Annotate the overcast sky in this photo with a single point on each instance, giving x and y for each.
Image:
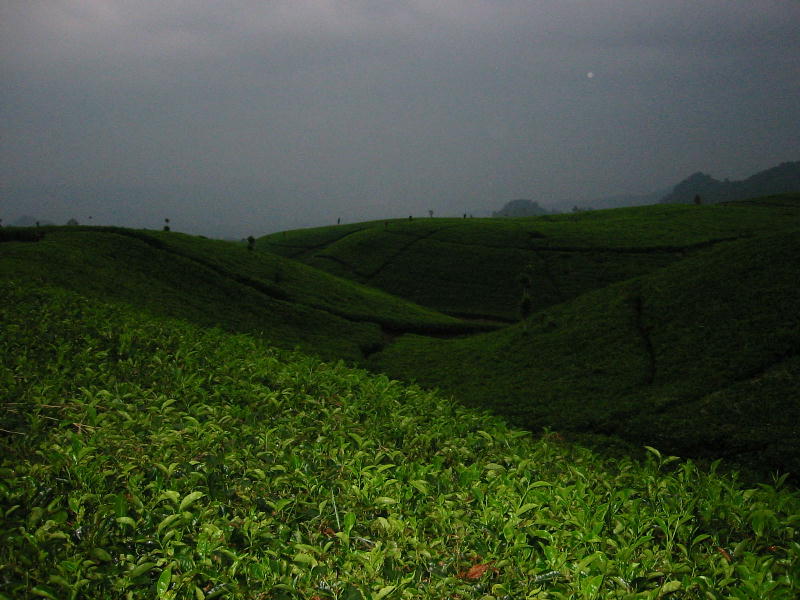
(249, 116)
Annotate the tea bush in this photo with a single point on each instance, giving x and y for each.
(150, 458)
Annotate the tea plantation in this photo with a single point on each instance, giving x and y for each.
(145, 457)
(185, 418)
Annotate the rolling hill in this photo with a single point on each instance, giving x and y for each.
(472, 267)
(671, 325)
(701, 358)
(156, 441)
(216, 283)
(667, 325)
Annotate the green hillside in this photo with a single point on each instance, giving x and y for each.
(700, 358)
(472, 267)
(216, 283)
(145, 457)
(672, 326)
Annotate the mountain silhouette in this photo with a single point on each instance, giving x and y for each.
(777, 180)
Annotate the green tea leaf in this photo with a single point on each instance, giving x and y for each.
(59, 580)
(383, 592)
(259, 474)
(43, 592)
(141, 569)
(421, 485)
(101, 555)
(653, 451)
(303, 558)
(485, 435)
(349, 521)
(120, 505)
(162, 585)
(189, 499)
(166, 521)
(538, 484)
(171, 495)
(525, 508)
(669, 587)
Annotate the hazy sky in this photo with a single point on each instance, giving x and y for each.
(248, 116)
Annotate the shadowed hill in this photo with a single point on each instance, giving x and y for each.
(472, 267)
(785, 178)
(700, 358)
(673, 326)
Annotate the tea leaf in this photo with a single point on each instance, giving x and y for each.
(126, 521)
(189, 499)
(164, 580)
(383, 592)
(140, 570)
(385, 500)
(525, 508)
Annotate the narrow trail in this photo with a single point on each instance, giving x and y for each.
(413, 241)
(303, 251)
(368, 276)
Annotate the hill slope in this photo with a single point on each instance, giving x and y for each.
(472, 267)
(699, 358)
(642, 316)
(219, 283)
(149, 458)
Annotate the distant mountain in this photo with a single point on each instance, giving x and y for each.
(29, 221)
(520, 208)
(777, 180)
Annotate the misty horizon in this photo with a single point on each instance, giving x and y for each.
(253, 117)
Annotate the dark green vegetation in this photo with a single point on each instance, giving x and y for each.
(472, 267)
(699, 358)
(669, 325)
(155, 442)
(218, 283)
(673, 326)
(145, 457)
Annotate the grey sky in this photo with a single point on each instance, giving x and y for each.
(249, 116)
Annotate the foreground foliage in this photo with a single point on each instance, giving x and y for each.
(146, 458)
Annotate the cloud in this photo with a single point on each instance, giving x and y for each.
(370, 107)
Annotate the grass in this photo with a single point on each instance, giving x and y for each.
(146, 457)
